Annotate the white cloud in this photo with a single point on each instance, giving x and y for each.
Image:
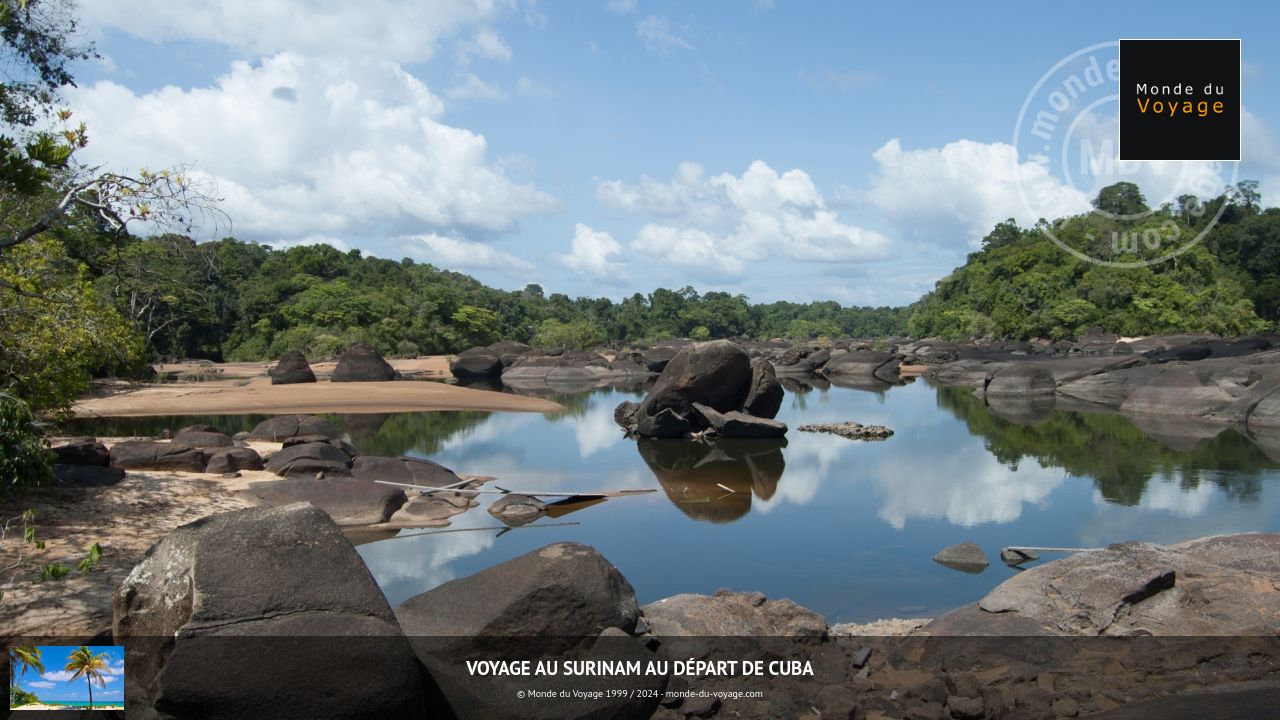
(401, 30)
(593, 253)
(656, 32)
(621, 6)
(455, 253)
(485, 44)
(473, 88)
(41, 684)
(721, 223)
(360, 149)
(58, 676)
(960, 191)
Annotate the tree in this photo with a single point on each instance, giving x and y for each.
(23, 658)
(82, 662)
(1122, 199)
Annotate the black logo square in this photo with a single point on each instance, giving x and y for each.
(1179, 99)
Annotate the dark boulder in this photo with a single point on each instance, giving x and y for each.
(716, 374)
(737, 425)
(1020, 380)
(81, 476)
(965, 557)
(361, 363)
(291, 369)
(347, 501)
(656, 358)
(508, 351)
(625, 415)
(764, 399)
(1184, 353)
(410, 471)
(478, 362)
(309, 458)
(666, 425)
(863, 362)
(82, 451)
(231, 460)
(152, 455)
(339, 443)
(279, 585)
(199, 436)
(283, 427)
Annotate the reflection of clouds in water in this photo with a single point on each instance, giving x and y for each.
(596, 430)
(810, 458)
(905, 408)
(1161, 517)
(967, 487)
(494, 427)
(1170, 496)
(404, 568)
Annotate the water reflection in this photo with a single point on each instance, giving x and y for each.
(715, 482)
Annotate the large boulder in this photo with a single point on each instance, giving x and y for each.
(1181, 390)
(716, 374)
(508, 351)
(561, 602)
(476, 363)
(346, 500)
(283, 427)
(411, 471)
(82, 451)
(361, 363)
(1110, 388)
(764, 398)
(732, 614)
(876, 363)
(1021, 380)
(82, 476)
(239, 615)
(307, 459)
(292, 368)
(737, 425)
(202, 436)
(229, 460)
(153, 455)
(656, 358)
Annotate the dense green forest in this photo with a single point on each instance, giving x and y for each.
(1020, 285)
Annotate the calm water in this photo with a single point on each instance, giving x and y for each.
(844, 527)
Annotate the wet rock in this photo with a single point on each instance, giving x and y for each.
(283, 427)
(361, 363)
(1021, 379)
(731, 614)
(152, 455)
(82, 476)
(82, 451)
(517, 509)
(230, 460)
(850, 430)
(764, 399)
(345, 500)
(241, 583)
(291, 369)
(965, 557)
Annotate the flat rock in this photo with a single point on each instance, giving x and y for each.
(202, 438)
(732, 614)
(411, 471)
(230, 460)
(283, 427)
(81, 476)
(967, 556)
(345, 500)
(1021, 379)
(309, 458)
(152, 455)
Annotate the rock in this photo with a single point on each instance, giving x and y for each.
(737, 425)
(1096, 335)
(152, 455)
(764, 398)
(1065, 707)
(864, 362)
(309, 458)
(1110, 388)
(1184, 353)
(283, 427)
(1018, 556)
(411, 471)
(280, 585)
(199, 437)
(563, 601)
(625, 415)
(478, 362)
(1182, 391)
(347, 501)
(1217, 586)
(361, 363)
(966, 557)
(656, 358)
(717, 374)
(230, 460)
(517, 509)
(80, 476)
(851, 430)
(730, 614)
(699, 706)
(82, 451)
(291, 369)
(1021, 379)
(1225, 702)
(665, 425)
(966, 708)
(508, 351)
(339, 443)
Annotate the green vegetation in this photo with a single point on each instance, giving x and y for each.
(23, 458)
(1021, 286)
(84, 663)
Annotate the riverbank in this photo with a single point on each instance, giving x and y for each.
(244, 388)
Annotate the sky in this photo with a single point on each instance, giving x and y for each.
(52, 686)
(784, 150)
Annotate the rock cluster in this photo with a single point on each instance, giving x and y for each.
(850, 430)
(712, 388)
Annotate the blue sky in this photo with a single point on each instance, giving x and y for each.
(53, 685)
(606, 147)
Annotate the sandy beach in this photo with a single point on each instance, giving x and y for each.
(64, 708)
(244, 388)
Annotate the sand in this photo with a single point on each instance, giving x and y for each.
(245, 389)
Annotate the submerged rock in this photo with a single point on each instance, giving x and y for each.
(850, 430)
(517, 509)
(965, 557)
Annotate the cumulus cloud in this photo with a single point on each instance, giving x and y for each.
(960, 191)
(401, 30)
(357, 148)
(721, 223)
(41, 684)
(592, 253)
(656, 32)
(456, 253)
(485, 44)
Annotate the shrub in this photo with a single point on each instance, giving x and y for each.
(23, 459)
